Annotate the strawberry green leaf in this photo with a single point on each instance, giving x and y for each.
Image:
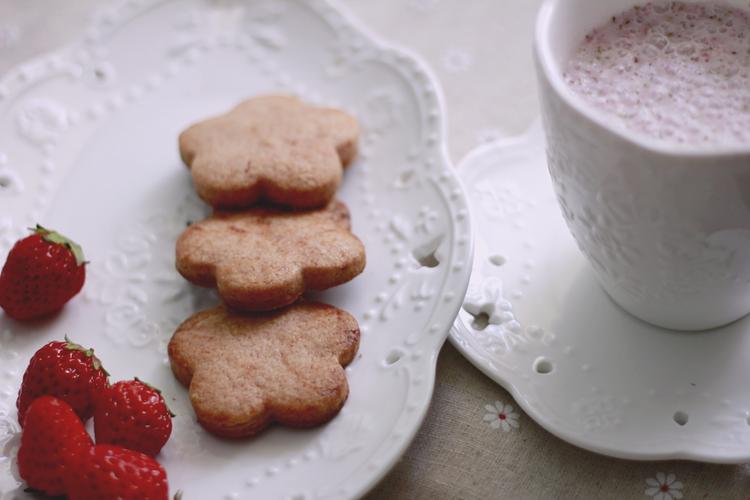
(58, 239)
(96, 362)
(72, 346)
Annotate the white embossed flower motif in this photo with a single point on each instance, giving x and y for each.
(501, 416)
(383, 108)
(224, 21)
(605, 238)
(503, 200)
(664, 487)
(41, 120)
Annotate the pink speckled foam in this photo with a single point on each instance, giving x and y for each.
(675, 71)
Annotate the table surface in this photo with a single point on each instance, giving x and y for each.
(481, 52)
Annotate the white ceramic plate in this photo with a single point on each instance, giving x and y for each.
(88, 147)
(579, 365)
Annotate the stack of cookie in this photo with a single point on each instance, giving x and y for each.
(270, 168)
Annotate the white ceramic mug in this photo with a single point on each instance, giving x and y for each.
(666, 228)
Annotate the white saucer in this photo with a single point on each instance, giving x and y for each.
(576, 363)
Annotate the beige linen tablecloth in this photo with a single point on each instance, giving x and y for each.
(480, 50)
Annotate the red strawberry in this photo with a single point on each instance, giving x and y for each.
(132, 414)
(64, 370)
(43, 271)
(53, 439)
(113, 472)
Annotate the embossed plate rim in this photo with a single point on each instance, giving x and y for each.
(449, 192)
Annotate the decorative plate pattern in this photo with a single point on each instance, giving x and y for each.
(89, 147)
(536, 321)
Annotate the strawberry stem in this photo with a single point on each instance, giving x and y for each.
(58, 239)
(96, 362)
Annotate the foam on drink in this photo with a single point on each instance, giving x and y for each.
(676, 71)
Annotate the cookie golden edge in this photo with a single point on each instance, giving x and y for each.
(262, 190)
(282, 293)
(232, 426)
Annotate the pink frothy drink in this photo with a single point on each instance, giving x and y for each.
(675, 71)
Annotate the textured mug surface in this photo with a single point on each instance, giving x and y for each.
(666, 228)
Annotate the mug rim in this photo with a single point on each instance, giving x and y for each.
(543, 54)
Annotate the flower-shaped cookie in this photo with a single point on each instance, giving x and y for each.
(246, 370)
(272, 148)
(263, 258)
